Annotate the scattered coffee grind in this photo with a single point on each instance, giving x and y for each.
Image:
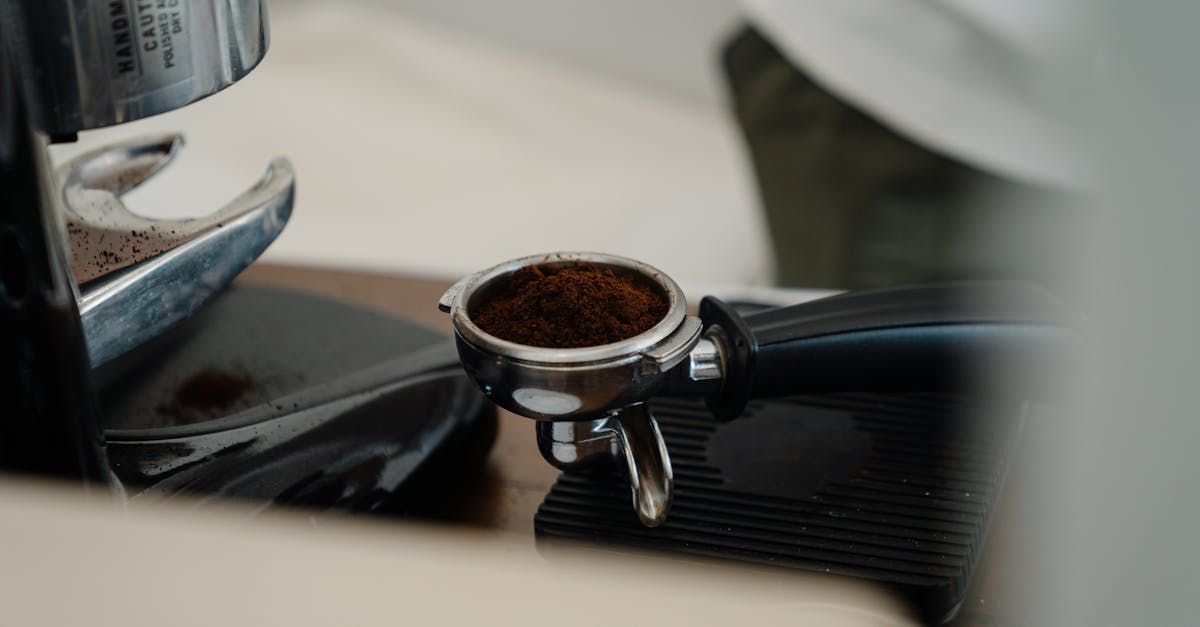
(570, 307)
(205, 395)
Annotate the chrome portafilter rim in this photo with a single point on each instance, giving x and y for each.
(459, 299)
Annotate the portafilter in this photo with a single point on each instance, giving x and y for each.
(591, 402)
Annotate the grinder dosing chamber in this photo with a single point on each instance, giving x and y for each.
(590, 403)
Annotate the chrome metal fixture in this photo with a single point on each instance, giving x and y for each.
(139, 276)
(91, 63)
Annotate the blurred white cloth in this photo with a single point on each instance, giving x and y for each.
(997, 84)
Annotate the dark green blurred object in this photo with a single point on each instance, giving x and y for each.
(852, 204)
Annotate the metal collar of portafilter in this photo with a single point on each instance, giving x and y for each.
(590, 401)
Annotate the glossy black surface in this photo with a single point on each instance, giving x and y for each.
(345, 408)
(353, 451)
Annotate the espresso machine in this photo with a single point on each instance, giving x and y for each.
(129, 361)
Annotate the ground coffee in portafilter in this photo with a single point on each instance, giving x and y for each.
(569, 307)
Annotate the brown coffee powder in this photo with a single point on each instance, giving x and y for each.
(569, 307)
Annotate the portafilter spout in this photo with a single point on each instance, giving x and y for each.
(591, 402)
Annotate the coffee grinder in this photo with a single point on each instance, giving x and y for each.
(127, 358)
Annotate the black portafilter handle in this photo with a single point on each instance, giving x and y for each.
(952, 337)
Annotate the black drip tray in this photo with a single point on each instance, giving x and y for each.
(895, 489)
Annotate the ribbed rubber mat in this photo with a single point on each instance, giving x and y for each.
(895, 489)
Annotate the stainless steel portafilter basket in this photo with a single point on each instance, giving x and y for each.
(570, 384)
(590, 400)
(590, 403)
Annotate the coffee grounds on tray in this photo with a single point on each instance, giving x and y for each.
(570, 307)
(205, 395)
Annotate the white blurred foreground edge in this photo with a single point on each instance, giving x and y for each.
(74, 561)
